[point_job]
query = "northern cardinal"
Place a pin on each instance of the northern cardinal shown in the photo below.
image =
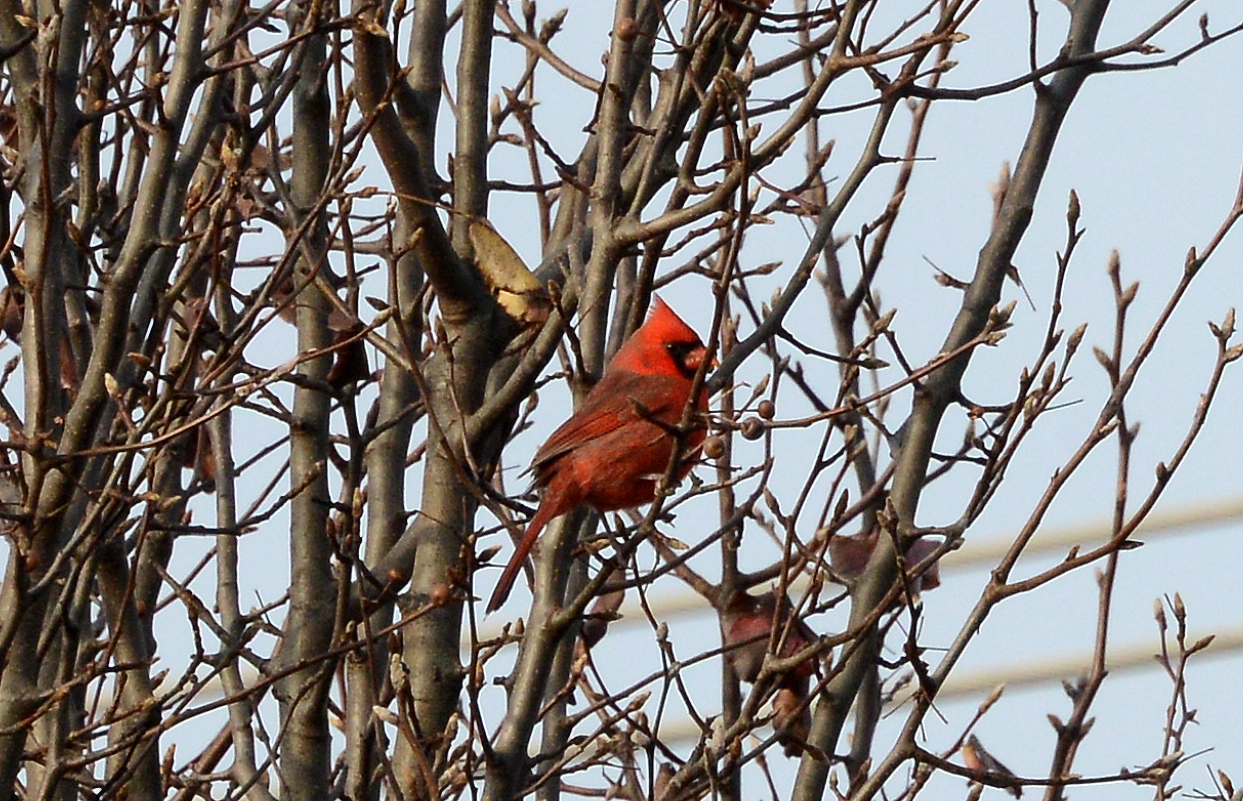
(746, 623)
(617, 445)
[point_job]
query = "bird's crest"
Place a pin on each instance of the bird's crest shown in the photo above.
(664, 344)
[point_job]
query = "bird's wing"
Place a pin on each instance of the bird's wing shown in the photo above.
(611, 404)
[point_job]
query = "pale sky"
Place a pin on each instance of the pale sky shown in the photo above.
(1155, 159)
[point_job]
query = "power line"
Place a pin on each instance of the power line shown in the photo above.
(963, 684)
(984, 552)
(975, 553)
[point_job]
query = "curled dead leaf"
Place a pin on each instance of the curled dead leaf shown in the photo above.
(515, 287)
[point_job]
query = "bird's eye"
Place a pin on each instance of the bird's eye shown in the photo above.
(686, 355)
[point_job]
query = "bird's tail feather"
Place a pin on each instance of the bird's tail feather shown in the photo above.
(543, 514)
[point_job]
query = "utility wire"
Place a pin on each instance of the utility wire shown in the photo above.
(976, 553)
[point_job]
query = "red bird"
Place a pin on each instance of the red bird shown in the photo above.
(615, 447)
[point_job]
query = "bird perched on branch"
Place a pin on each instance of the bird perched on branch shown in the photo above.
(614, 449)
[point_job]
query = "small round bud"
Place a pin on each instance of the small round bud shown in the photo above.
(752, 428)
(767, 409)
(440, 594)
(714, 447)
(627, 30)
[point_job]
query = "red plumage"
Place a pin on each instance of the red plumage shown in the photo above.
(616, 446)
